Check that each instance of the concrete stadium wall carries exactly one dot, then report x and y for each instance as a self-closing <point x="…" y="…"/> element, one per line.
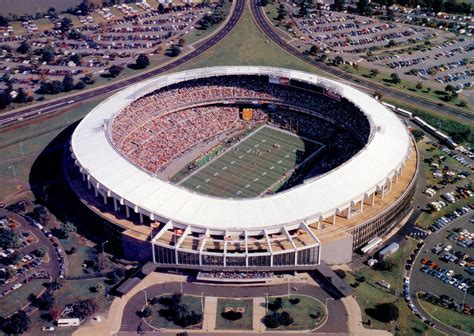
<point x="338" y="251"/>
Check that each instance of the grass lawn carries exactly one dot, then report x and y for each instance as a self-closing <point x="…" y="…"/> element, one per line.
<point x="304" y="312"/>
<point x="192" y="302"/>
<point x="368" y="294"/>
<point x="245" y="323"/>
<point x="427" y="219"/>
<point x="246" y="45"/>
<point x="449" y="317"/>
<point x="253" y="165"/>
<point x="11" y="303"/>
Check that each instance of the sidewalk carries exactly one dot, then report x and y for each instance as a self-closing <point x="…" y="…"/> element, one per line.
<point x="210" y="309"/>
<point x="258" y="314"/>
<point x="355" y="320"/>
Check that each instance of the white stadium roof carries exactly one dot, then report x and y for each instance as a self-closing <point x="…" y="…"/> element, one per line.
<point x="366" y="172"/>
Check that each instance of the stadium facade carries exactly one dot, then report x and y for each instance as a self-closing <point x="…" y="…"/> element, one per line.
<point x="323" y="219"/>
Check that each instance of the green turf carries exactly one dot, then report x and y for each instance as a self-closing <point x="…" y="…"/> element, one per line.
<point x="241" y="172"/>
<point x="245" y="323"/>
<point x="454" y="319"/>
<point x="193" y="303"/>
<point x="11" y="303"/>
<point x="308" y="313"/>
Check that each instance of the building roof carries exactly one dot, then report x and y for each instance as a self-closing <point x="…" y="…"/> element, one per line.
<point x="363" y="174"/>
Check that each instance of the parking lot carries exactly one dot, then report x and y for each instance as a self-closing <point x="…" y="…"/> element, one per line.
<point x="445" y="263"/>
<point x="108" y="36"/>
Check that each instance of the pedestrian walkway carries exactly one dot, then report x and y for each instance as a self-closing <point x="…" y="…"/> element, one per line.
<point x="258" y="314"/>
<point x="210" y="309"/>
<point x="355" y="320"/>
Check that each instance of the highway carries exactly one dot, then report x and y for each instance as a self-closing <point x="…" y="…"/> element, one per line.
<point x="423" y="103"/>
<point x="50" y="107"/>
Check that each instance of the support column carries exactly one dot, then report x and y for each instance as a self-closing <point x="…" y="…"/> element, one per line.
<point x="152" y="249"/>
<point x="397" y="176"/>
<point x="141" y="217"/>
<point x="96" y="193"/>
<point x="373" y="198"/>
<point x="383" y="192"/>
<point x="105" y="198"/>
<point x="362" y="206"/>
<point x="319" y="225"/>
<point x="334" y="219"/>
<point x="115" y="204"/>
<point x="88" y="184"/>
<point x="390" y="185"/>
<point x="349" y="212"/>
<point x="83" y="176"/>
<point x="127" y="211"/>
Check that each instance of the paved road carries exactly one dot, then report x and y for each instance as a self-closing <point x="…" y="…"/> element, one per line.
<point x="336" y="323"/>
<point x="268" y="29"/>
<point x="49" y="107"/>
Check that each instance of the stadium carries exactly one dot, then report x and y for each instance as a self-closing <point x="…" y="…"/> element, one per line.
<point x="243" y="168"/>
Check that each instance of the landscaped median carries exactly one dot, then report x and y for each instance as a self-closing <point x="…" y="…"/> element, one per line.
<point x="174" y="311"/>
<point x="296" y="312"/>
<point x="234" y="314"/>
<point x="449" y="317"/>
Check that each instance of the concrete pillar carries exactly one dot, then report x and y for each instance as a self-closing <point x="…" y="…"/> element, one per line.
<point x="362" y="206"/>
<point x="127" y="211"/>
<point x="334" y="220"/>
<point x="373" y="198"/>
<point x="397" y="175"/>
<point x="141" y="217"/>
<point x="96" y="193"/>
<point x="88" y="184"/>
<point x="105" y="198"/>
<point x="115" y="204"/>
<point x="390" y="185"/>
<point x="83" y="176"/>
<point x="383" y="191"/>
<point x="319" y="225"/>
<point x="349" y="212"/>
<point x="152" y="248"/>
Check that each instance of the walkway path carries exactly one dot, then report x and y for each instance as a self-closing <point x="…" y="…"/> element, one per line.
<point x="258" y="314"/>
<point x="355" y="320"/>
<point x="210" y="308"/>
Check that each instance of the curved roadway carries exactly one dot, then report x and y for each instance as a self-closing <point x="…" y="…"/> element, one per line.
<point x="270" y="31"/>
<point x="49" y="107"/>
<point x="335" y="324"/>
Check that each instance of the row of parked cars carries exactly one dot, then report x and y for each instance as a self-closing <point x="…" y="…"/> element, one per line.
<point x="446" y="219"/>
<point x="448" y="277"/>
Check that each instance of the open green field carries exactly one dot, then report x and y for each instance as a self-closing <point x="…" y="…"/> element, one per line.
<point x="253" y="165"/>
<point x="12" y="302"/>
<point x="245" y="323"/>
<point x="447" y="316"/>
<point x="192" y="302"/>
<point x="308" y="313"/>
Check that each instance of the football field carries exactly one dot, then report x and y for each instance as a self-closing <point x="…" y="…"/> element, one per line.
<point x="253" y="165"/>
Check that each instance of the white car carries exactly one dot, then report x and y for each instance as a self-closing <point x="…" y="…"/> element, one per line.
<point x="47" y="329"/>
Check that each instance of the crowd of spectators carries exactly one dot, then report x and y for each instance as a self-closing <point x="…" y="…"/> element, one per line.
<point x="153" y="145"/>
<point x="156" y="128"/>
<point x="236" y="275"/>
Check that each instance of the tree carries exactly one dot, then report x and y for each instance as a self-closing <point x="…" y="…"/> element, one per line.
<point x="419" y="85"/>
<point x="161" y="8"/>
<point x="339" y="5"/>
<point x="40" y="252"/>
<point x="281" y="12"/>
<point x="174" y="50"/>
<point x="418" y="134"/>
<point x="386" y="312"/>
<point x="47" y="55"/>
<point x="146" y="312"/>
<point x="8" y="238"/>
<point x="232" y="315"/>
<point x="391" y="44"/>
<point x="285" y="319"/>
<point x="84" y="308"/>
<point x="3" y="21"/>
<point x="45" y="301"/>
<point x="438" y="5"/>
<point x="23" y="48"/>
<point x="395" y="78"/>
<point x="276" y="304"/>
<point x="303" y="10"/>
<point x="314" y="49"/>
<point x="68" y="83"/>
<point x="18" y="323"/>
<point x="115" y="70"/>
<point x="15" y="257"/>
<point x="448" y="88"/>
<point x="5" y="98"/>
<point x="65" y="24"/>
<point x="142" y="61"/>
<point x="384" y="265"/>
<point x="363" y="7"/>
<point x="271" y="320"/>
<point x="338" y="60"/>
